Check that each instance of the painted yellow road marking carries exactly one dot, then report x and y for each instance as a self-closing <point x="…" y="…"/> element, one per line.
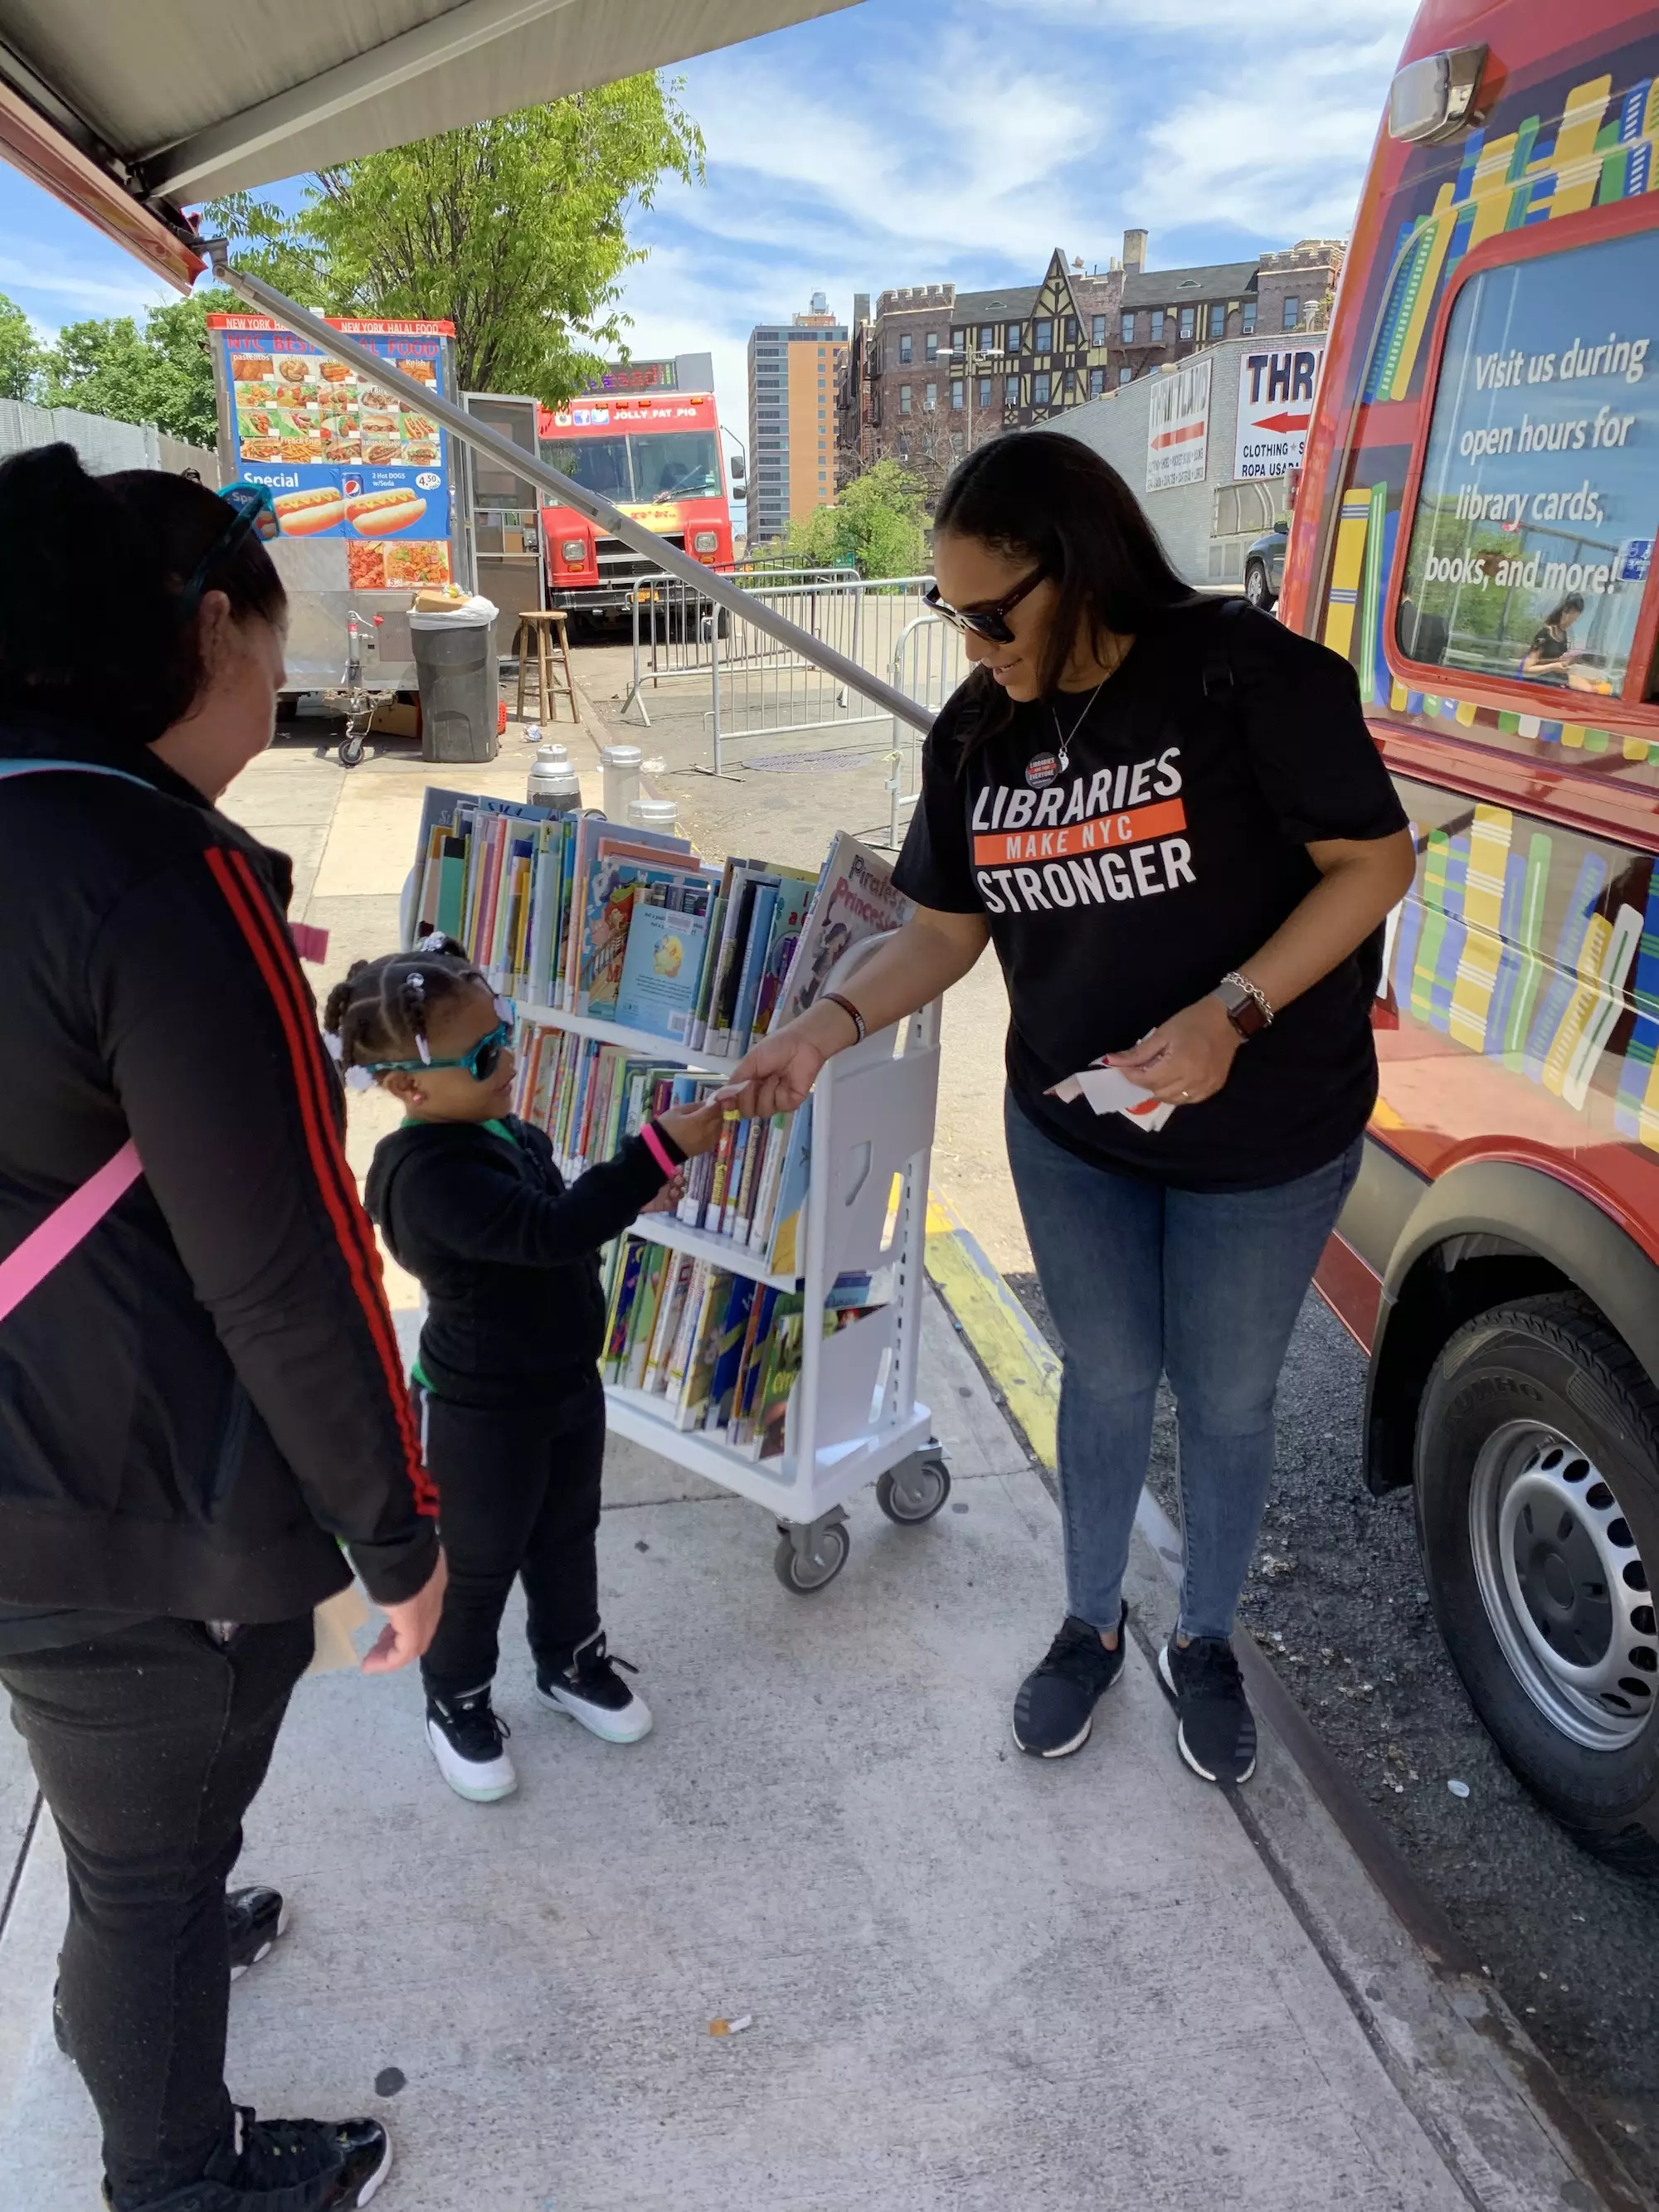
<point x="1012" y="1350"/>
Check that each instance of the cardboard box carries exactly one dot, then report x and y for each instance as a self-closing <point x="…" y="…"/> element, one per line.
<point x="393" y="719"/>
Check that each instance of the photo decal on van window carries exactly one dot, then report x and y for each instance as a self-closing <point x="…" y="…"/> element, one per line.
<point x="1534" y="523"/>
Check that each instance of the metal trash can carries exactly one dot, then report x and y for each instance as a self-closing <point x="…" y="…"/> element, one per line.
<point x="456" y="667"/>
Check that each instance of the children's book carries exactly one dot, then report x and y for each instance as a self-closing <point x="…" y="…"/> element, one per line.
<point x="786" y="1250"/>
<point x="856" y="899"/>
<point x="661" y="965"/>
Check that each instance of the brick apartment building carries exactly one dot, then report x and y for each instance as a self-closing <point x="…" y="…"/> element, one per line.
<point x="794" y="373"/>
<point x="935" y="370"/>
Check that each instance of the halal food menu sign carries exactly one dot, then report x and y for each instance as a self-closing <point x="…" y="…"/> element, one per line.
<point x="345" y="457"/>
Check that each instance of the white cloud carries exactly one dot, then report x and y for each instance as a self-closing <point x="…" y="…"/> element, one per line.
<point x="1241" y="22"/>
<point x="81" y="292"/>
<point x="911" y="141"/>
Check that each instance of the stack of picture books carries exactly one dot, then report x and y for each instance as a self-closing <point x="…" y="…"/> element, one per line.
<point x="589" y="1096"/>
<point x="722" y="1353"/>
<point x="591" y="917"/>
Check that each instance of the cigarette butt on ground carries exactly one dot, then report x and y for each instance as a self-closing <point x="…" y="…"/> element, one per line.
<point x="732" y="2026"/>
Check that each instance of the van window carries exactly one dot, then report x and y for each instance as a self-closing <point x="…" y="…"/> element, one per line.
<point x="1536" y="517"/>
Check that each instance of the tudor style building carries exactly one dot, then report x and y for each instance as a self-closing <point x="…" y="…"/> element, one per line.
<point x="935" y="370"/>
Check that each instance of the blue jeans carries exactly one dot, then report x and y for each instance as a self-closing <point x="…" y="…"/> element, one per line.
<point x="1203" y="1286"/>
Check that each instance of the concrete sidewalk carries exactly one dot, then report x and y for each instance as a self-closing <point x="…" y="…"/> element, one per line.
<point x="976" y="1982"/>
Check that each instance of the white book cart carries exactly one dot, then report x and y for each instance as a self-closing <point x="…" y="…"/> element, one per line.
<point x="853" y="1416"/>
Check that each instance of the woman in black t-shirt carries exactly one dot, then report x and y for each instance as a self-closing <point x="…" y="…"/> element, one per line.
<point x="1549" y="658"/>
<point x="1167" y="816"/>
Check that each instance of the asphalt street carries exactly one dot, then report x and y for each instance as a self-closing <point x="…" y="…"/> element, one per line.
<point x="1337" y="1601"/>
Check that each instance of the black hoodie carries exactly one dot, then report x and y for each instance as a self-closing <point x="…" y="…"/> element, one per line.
<point x="207" y="1393"/>
<point x="507" y="1256"/>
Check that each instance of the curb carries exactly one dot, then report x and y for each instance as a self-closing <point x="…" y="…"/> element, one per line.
<point x="1507" y="2129"/>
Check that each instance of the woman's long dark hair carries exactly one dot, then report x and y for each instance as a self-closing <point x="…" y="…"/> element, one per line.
<point x="93" y="632"/>
<point x="1049" y="500"/>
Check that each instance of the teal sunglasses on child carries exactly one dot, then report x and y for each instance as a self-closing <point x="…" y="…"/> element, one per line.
<point x="480" y="1063"/>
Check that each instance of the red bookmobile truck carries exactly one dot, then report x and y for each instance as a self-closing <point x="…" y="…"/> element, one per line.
<point x="655" y="454"/>
<point x="1474" y="530"/>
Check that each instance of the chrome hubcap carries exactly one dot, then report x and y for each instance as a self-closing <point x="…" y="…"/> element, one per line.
<point x="1564" y="1585"/>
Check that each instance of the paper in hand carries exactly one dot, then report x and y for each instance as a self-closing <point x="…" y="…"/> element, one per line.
<point x="1110" y="1091"/>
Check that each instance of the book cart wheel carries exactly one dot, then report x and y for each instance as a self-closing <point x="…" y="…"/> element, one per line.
<point x="915" y="1490"/>
<point x="810" y="1555"/>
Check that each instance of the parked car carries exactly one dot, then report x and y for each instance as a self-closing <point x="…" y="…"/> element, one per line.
<point x="1474" y="530"/>
<point x="1264" y="566"/>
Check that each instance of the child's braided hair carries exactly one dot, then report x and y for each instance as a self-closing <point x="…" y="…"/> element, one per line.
<point x="380" y="1011"/>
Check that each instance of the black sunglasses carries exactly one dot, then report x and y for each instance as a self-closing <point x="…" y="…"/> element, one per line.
<point x="251" y="508"/>
<point x="985" y="622"/>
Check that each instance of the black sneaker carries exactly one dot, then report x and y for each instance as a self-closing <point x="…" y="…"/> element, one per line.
<point x="256" y="1916"/>
<point x="1215" y="1729"/>
<point x="1054" y="1710"/>
<point x="469" y="1745"/>
<point x="287" y="2165"/>
<point x="591" y="1692"/>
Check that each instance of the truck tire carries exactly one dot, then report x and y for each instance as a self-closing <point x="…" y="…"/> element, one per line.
<point x="1537" y="1485"/>
<point x="1258" y="590"/>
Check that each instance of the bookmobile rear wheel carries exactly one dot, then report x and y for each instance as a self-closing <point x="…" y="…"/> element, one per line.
<point x="1537" y="1486"/>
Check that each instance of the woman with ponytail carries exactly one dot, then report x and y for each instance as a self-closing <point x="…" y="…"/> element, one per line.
<point x="201" y="1399"/>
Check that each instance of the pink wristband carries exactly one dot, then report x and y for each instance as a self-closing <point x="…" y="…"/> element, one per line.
<point x="659" y="1151"/>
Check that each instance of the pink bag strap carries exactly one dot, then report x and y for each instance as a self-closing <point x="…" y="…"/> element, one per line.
<point x="64" y="1228"/>
<point x="80" y="1213"/>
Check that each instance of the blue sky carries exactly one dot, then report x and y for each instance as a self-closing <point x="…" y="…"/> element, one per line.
<point x="907" y="142"/>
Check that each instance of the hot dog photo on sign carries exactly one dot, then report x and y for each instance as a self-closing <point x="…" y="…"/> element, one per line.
<point x="385" y="513"/>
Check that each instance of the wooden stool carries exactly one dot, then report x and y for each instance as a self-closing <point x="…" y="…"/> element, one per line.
<point x="541" y="649"/>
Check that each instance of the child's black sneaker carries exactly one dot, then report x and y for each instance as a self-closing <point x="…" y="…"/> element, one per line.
<point x="591" y="1691"/>
<point x="1216" y="1729"/>
<point x="1054" y="1710"/>
<point x="469" y="1745"/>
<point x="286" y="2165"/>
<point x="257" y="1917"/>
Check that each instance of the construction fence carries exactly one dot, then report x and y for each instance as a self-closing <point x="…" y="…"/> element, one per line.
<point x="103" y="444"/>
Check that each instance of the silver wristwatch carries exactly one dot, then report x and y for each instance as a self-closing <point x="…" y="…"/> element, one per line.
<point x="1245" y="1004"/>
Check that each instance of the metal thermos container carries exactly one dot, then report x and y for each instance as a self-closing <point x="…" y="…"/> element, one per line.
<point x="553" y="782"/>
<point x="663" y="814"/>
<point x="620" y="765"/>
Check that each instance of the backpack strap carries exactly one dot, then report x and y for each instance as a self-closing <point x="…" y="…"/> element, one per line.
<point x="75" y="1218"/>
<point x="1219" y="678"/>
<point x="11" y="768"/>
<point x="68" y="1224"/>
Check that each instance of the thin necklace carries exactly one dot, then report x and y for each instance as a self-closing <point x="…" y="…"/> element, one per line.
<point x="1066" y="742"/>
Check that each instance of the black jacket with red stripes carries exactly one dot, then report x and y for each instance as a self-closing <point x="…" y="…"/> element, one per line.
<point x="208" y="1392"/>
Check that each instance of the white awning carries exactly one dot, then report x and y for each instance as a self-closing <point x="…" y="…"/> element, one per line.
<point x="159" y="103"/>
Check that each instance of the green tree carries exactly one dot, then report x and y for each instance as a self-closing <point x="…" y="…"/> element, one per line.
<point x="876" y="525"/>
<point x="20" y="352"/>
<point x="514" y="230"/>
<point x="162" y="374"/>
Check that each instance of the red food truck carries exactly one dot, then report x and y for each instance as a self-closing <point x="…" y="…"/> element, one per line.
<point x="654" y="454"/>
<point x="1474" y="530"/>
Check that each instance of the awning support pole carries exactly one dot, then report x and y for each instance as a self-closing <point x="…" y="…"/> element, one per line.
<point x="752" y="607"/>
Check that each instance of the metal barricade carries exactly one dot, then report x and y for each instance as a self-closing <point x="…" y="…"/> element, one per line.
<point x="764" y="690"/>
<point x="675" y="626"/>
<point x="928" y="663"/>
<point x="761" y="688"/>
